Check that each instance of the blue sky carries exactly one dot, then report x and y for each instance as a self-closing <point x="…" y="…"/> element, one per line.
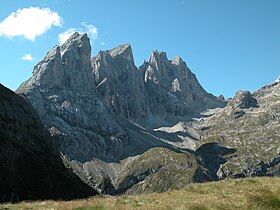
<point x="229" y="44"/>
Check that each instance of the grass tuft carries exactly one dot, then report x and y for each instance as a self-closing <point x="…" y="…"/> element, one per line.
<point x="266" y="201"/>
<point x="98" y="207"/>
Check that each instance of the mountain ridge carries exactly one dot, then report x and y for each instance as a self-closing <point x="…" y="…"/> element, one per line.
<point x="106" y="117"/>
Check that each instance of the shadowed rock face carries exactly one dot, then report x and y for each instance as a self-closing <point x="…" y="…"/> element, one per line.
<point x="214" y="155"/>
<point x="29" y="166"/>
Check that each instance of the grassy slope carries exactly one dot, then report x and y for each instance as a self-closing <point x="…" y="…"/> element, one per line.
<point x="256" y="193"/>
<point x="156" y="170"/>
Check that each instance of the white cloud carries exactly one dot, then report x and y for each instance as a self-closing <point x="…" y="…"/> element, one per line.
<point x="62" y="37"/>
<point x="29" y="22"/>
<point x="27" y="57"/>
<point x="90" y="29"/>
<point x="102" y="43"/>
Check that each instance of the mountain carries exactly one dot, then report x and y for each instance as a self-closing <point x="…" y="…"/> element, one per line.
<point x="97" y="111"/>
<point x="30" y="168"/>
<point x="124" y="129"/>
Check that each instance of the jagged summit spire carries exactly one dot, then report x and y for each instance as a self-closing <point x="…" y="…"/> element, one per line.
<point x="157" y="55"/>
<point x="162" y="56"/>
<point x="77" y="40"/>
<point x="75" y="36"/>
<point x="177" y="60"/>
<point x="67" y="66"/>
<point x="120" y="83"/>
<point x="123" y="50"/>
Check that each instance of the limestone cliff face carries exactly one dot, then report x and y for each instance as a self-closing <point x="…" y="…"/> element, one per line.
<point x="161" y="88"/>
<point x="30" y="168"/>
<point x="120" y="83"/>
<point x="173" y="89"/>
<point x="62" y="90"/>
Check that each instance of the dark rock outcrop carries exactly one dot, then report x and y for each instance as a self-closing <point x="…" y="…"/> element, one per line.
<point x="213" y="156"/>
<point x="29" y="166"/>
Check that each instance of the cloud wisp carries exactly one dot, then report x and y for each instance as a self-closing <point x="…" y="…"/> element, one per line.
<point x="29" y="22"/>
<point x="62" y="37"/>
<point x="27" y="57"/>
<point x="90" y="29"/>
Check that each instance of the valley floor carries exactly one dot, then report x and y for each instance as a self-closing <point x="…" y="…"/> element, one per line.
<point x="249" y="193"/>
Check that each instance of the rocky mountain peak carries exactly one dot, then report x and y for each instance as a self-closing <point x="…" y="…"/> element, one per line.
<point x="77" y="45"/>
<point x="157" y="56"/>
<point x="66" y="66"/>
<point x="64" y="94"/>
<point x="119" y="83"/>
<point x="243" y="100"/>
<point x="81" y="39"/>
<point x="178" y="92"/>
<point x="167" y="70"/>
<point x="75" y="60"/>
<point x="177" y="60"/>
<point x="123" y="51"/>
